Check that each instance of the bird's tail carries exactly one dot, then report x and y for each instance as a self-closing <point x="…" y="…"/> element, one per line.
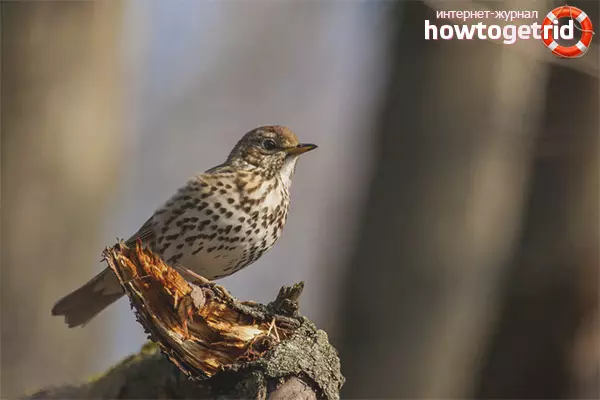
<point x="80" y="306"/>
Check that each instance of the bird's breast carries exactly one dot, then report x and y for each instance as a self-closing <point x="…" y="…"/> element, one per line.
<point x="217" y="235"/>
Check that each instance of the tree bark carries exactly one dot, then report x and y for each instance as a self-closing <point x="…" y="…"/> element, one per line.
<point x="148" y="374"/>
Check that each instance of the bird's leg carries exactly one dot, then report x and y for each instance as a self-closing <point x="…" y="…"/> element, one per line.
<point x="196" y="278"/>
<point x="224" y="292"/>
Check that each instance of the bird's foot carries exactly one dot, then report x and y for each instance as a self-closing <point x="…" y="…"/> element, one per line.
<point x="202" y="282"/>
<point x="224" y="293"/>
<point x="218" y="289"/>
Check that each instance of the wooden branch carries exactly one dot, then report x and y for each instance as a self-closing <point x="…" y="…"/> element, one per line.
<point x="217" y="345"/>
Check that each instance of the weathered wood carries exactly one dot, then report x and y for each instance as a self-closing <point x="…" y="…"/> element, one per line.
<point x="218" y="346"/>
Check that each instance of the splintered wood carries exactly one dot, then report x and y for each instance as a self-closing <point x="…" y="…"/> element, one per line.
<point x="201" y="328"/>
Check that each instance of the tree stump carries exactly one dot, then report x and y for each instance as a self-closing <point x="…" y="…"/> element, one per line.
<point x="219" y="347"/>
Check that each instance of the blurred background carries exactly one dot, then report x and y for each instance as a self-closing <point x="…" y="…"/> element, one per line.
<point x="447" y="228"/>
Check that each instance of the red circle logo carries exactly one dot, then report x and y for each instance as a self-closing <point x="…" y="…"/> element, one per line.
<point x="587" y="32"/>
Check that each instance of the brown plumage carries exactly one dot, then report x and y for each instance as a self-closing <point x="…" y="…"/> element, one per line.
<point x="216" y="224"/>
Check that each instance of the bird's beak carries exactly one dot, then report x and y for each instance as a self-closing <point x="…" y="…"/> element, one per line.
<point x="301" y="148"/>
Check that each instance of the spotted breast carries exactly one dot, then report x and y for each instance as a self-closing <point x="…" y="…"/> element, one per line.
<point x="220" y="222"/>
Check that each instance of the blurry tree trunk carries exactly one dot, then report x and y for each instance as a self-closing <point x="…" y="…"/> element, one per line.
<point x="61" y="126"/>
<point x="444" y="211"/>
<point x="552" y="290"/>
<point x="550" y="300"/>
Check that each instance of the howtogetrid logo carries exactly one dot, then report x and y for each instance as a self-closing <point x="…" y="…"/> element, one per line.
<point x="578" y="24"/>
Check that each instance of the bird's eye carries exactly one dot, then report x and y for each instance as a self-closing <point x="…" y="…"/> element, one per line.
<point x="269" y="144"/>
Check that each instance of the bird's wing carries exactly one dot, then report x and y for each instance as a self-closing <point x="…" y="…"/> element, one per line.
<point x="145" y="234"/>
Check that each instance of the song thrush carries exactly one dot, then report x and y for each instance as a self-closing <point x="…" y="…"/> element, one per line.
<point x="216" y="224"/>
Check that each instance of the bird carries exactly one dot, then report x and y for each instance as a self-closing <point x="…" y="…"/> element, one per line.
<point x="217" y="223"/>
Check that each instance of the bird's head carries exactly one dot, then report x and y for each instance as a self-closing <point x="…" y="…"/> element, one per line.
<point x="269" y="150"/>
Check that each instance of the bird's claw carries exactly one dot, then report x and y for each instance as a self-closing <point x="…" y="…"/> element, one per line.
<point x="202" y="282"/>
<point x="218" y="289"/>
<point x="221" y="290"/>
